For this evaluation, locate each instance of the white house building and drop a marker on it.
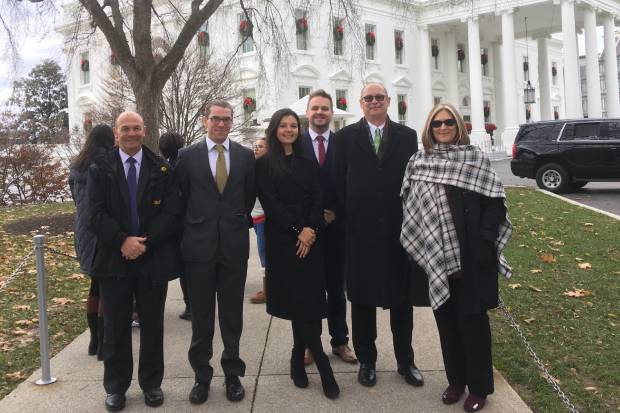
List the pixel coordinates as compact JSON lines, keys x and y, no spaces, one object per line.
{"x":474,"y":54}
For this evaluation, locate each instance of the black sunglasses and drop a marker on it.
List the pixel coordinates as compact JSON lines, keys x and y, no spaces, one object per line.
{"x":378,"y":98}
{"x":448,"y":122}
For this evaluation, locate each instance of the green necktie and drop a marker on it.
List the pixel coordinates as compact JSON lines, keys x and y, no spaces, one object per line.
{"x":376,"y":140}
{"x":221,"y":175}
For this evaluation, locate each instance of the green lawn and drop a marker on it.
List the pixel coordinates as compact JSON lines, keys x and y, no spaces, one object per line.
{"x":67,"y":291}
{"x":576,"y":337}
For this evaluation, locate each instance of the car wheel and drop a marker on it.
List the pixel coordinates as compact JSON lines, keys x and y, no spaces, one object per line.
{"x":578,"y":184}
{"x":553,"y":178}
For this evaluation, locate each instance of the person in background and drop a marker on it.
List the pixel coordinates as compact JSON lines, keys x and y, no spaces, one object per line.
{"x":258,"y":218}
{"x":169,"y":145}
{"x":99,"y":140}
{"x":455,"y":227}
{"x":289,"y":188}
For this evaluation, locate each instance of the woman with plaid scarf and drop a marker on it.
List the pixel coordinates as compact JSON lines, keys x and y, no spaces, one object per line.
{"x":455,"y":226}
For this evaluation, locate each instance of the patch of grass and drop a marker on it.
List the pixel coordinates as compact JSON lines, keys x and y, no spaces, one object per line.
{"x":19,"y":343}
{"x":576,"y":337}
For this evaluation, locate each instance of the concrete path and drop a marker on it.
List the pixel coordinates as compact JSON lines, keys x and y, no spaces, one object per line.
{"x":265,"y":347}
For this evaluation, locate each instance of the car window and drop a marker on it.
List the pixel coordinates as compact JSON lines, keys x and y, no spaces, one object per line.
{"x":539,"y":133}
{"x":610,"y":131}
{"x":581,"y":131}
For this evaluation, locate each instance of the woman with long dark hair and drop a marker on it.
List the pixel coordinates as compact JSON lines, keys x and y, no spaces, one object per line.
{"x":289,"y":190}
{"x":455,"y":226}
{"x":99,"y":140}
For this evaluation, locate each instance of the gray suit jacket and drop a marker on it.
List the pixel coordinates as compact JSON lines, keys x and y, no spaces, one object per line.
{"x":216,"y":225}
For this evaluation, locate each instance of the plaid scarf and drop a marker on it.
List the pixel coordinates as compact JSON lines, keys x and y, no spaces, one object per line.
{"x":428,"y":232}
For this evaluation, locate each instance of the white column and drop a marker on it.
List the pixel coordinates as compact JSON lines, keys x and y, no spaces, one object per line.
{"x":544,"y":79}
{"x":611,"y":68}
{"x":572,"y":94}
{"x":593,"y":76}
{"x":423,"y":55}
{"x":451,"y":69}
{"x":509,"y":76}
{"x":478,"y":133}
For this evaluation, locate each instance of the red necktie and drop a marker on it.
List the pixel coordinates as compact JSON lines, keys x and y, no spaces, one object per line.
{"x":321,"y":141}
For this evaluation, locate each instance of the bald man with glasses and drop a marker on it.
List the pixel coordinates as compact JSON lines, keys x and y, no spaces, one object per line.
{"x":370,"y":160}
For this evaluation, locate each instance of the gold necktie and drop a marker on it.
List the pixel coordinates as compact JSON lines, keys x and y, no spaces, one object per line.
{"x":221,"y":176}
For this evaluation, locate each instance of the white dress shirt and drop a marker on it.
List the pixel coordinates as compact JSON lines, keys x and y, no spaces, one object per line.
{"x":213,"y":155}
{"x":375,"y":127}
{"x":137,"y":157}
{"x":315,"y":143}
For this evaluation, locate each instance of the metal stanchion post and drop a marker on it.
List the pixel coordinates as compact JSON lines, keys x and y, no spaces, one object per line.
{"x":39,"y":245}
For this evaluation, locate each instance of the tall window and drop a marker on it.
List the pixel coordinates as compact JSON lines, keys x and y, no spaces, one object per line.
{"x":460,"y":57}
{"x":301,"y":29}
{"x":246,"y":33}
{"x":486,"y":105}
{"x":484,"y":60}
{"x":84,"y":68}
{"x":249,"y":103}
{"x":436,"y":100}
{"x":204,"y":41}
{"x":402,"y":109}
{"x":554,"y":73}
{"x":341,"y":99}
{"x":556,"y":112}
{"x":399,"y":46}
{"x":370,"y":33}
{"x":338,"y":36}
{"x":304,"y":91}
{"x":435,"y":53}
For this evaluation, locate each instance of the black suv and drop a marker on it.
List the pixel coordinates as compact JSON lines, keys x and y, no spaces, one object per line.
{"x":567,"y":154}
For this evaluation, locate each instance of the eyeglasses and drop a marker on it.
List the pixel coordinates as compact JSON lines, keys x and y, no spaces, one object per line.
{"x":217,"y":120}
{"x":448,"y":122}
{"x":378,"y":98}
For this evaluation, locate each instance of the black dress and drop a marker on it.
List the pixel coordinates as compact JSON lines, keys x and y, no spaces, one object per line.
{"x":292,"y":201}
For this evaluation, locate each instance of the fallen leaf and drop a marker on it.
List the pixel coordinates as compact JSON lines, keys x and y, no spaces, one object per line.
{"x":16,"y":376}
{"x":584,"y":265}
{"x":62,"y":301}
{"x":23,"y":322}
{"x":19,"y":332}
{"x":514,"y":286}
{"x":24,"y":307}
{"x":529,"y":320}
{"x":536,"y":289}
{"x":588,"y":224}
{"x":548,"y":258}
{"x":554,"y":379}
{"x":590,"y":388}
{"x":76,"y":276}
{"x":536,"y":271}
{"x":577,"y":293}
{"x":578,"y":259}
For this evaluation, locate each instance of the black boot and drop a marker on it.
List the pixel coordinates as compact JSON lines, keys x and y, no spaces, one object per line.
{"x":92,"y":326}
{"x":298,"y":371}
{"x":330,"y":387}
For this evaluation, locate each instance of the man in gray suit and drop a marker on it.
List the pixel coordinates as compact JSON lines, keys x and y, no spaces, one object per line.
{"x":216,"y":179}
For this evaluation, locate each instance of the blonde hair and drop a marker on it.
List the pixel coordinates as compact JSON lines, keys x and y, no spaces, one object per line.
{"x":462,"y":137}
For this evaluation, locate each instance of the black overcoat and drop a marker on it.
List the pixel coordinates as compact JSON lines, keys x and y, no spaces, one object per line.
{"x":158,"y":210}
{"x":367,"y":184}
{"x":296,"y":286}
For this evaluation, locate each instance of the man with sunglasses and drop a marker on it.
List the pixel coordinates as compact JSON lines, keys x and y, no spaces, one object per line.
{"x":216,"y":180}
{"x":370,"y":160}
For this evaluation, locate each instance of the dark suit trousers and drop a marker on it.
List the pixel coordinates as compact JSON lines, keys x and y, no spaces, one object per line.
{"x":465,"y":344}
{"x":223,"y":281}
{"x":364,"y":321}
{"x":336,"y":301}
{"x":118,"y":296}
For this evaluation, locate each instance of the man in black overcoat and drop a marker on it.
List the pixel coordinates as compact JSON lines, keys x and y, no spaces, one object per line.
{"x":370,"y":160}
{"x":134,"y":213}
{"x":316,"y":141}
{"x":216,"y":179}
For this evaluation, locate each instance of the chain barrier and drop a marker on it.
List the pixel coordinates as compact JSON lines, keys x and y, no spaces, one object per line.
{"x":59,"y":252}
{"x":16,"y":271}
{"x":541,"y":366}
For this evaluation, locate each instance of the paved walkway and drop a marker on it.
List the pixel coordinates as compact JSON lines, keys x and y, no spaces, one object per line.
{"x":265,"y":347}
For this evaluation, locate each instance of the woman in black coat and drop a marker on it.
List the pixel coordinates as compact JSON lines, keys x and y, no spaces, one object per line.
{"x":289,"y":190}
{"x":99,"y":140}
{"x":455,"y":227}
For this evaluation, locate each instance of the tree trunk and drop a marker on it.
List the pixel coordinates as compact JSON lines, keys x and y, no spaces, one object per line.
{"x":147,"y":105}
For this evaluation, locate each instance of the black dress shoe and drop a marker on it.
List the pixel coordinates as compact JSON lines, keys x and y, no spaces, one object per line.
{"x":115,"y":402}
{"x":367,"y":375}
{"x":154,"y":397}
{"x":186,"y":315}
{"x":199,"y":393}
{"x":234,"y":390}
{"x":412,"y":375}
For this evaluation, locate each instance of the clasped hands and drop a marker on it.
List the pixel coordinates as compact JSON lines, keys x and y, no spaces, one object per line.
{"x":305,"y":240}
{"x":133,"y":247}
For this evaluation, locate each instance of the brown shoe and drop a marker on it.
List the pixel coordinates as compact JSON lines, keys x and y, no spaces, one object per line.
{"x":474,"y":403}
{"x":258,"y":298}
{"x":345,"y":353}
{"x":308,"y":358}
{"x":452,"y":394}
